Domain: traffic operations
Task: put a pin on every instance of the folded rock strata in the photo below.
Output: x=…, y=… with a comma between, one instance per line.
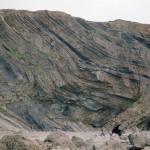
x=62, y=72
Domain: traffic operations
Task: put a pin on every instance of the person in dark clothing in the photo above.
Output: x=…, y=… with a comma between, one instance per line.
x=135, y=148
x=116, y=130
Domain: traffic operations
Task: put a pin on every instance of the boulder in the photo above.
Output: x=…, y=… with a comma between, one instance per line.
x=59, y=139
x=147, y=148
x=47, y=146
x=17, y=142
x=114, y=145
x=147, y=141
x=137, y=140
x=78, y=142
x=90, y=144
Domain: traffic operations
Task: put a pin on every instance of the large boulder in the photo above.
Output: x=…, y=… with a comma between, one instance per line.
x=147, y=148
x=17, y=142
x=114, y=145
x=147, y=141
x=90, y=145
x=60, y=140
x=137, y=140
x=78, y=142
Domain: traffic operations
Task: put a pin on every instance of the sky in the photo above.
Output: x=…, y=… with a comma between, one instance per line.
x=93, y=10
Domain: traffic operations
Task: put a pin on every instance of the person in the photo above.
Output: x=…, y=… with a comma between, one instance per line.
x=116, y=130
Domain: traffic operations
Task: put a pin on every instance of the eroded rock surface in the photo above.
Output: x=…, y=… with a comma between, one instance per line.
x=62, y=72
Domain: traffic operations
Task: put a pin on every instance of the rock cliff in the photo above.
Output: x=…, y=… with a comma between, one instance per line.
x=62, y=72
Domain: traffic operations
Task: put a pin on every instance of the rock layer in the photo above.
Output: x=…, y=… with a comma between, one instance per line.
x=62, y=72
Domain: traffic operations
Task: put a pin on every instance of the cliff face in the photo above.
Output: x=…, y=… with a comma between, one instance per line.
x=57, y=71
